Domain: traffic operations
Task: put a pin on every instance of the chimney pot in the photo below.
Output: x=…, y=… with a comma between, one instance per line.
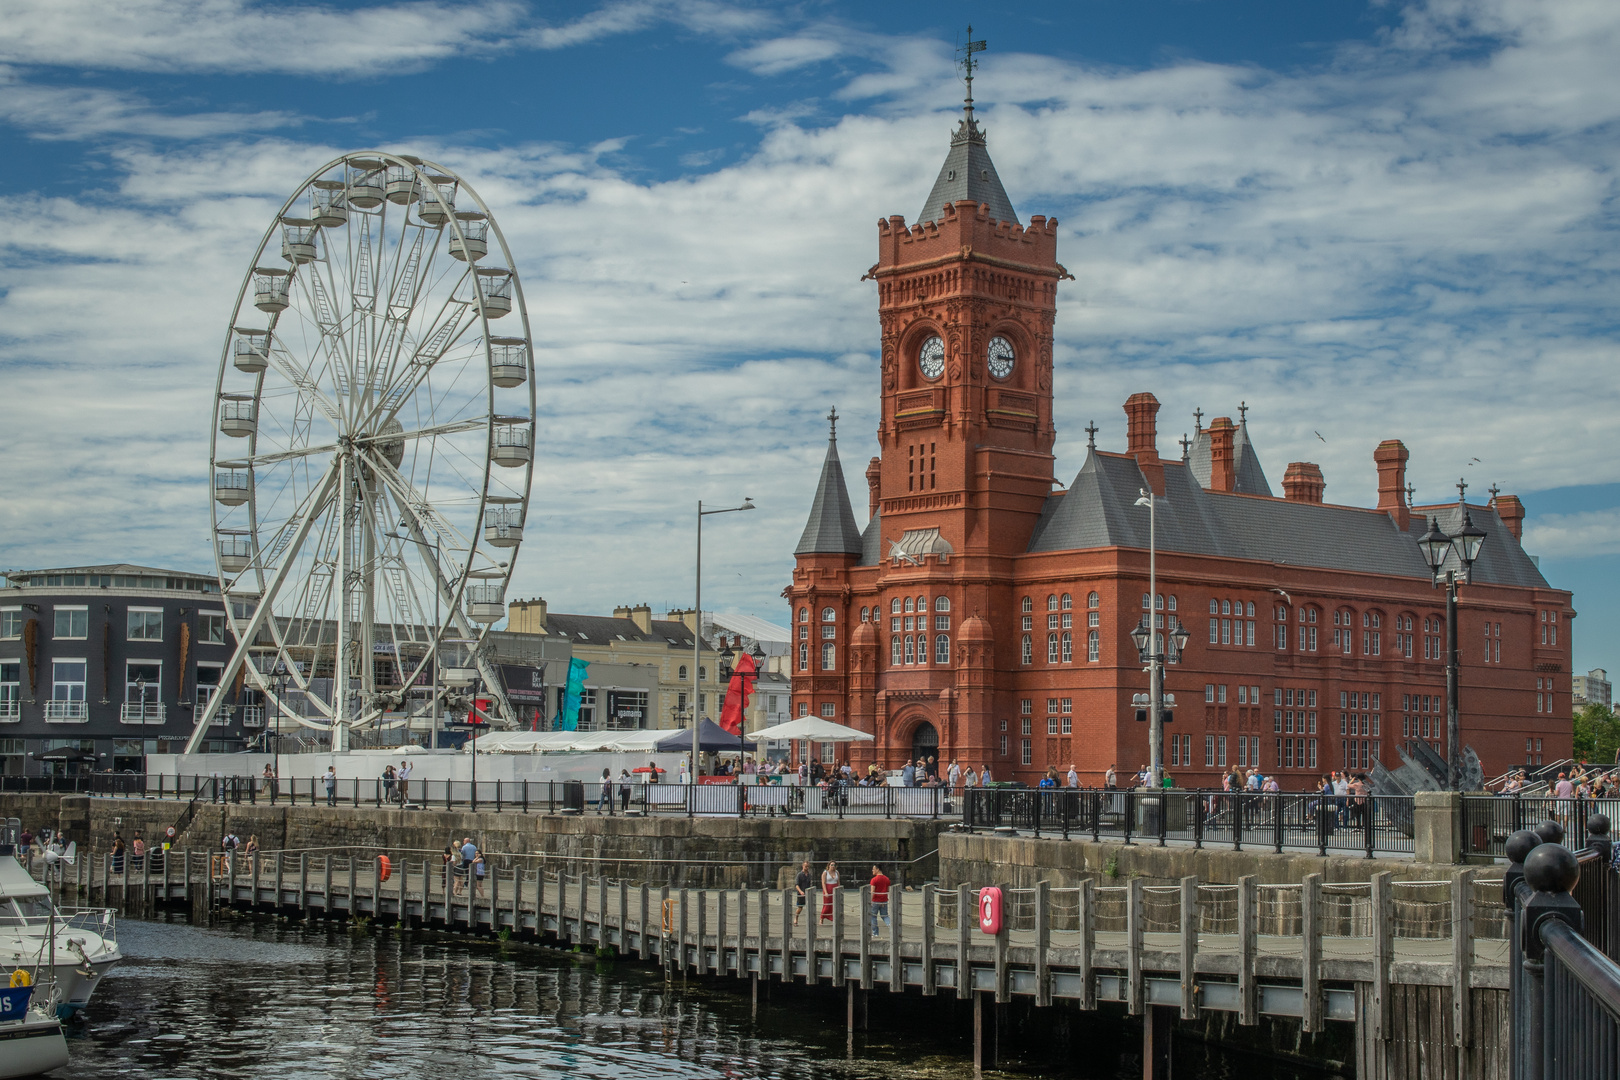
x=1391, y=457
x=1222, y=462
x=1142, y=436
x=1303, y=482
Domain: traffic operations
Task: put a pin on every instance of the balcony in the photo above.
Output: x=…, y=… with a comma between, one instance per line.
x=10, y=712
x=67, y=712
x=135, y=712
x=252, y=716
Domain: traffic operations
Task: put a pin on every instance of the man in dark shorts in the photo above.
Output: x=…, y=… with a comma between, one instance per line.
x=801, y=890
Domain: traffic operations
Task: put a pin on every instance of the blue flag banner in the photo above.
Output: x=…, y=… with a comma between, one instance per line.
x=576, y=687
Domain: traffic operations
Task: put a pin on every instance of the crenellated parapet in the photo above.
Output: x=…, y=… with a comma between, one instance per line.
x=968, y=230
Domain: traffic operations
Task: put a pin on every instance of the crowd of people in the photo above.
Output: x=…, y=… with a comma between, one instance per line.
x=1578, y=782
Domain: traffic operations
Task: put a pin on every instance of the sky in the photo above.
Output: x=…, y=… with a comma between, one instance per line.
x=1365, y=220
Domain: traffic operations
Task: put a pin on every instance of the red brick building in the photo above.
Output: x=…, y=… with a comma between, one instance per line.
x=986, y=611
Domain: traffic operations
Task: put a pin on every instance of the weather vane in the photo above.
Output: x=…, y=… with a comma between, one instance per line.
x=964, y=55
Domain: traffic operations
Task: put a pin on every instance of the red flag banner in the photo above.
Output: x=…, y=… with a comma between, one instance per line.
x=737, y=695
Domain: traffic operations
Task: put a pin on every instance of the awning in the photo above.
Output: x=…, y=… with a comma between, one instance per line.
x=712, y=738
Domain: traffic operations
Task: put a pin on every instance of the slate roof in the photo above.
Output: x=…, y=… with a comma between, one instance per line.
x=872, y=542
x=1251, y=478
x=968, y=173
x=1099, y=510
x=831, y=528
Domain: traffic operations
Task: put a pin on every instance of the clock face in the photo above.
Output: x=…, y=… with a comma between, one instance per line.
x=931, y=358
x=999, y=357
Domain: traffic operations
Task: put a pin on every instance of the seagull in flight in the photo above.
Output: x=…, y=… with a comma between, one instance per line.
x=1318, y=434
x=1282, y=593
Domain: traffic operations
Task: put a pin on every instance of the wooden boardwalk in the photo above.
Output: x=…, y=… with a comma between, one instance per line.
x=1304, y=951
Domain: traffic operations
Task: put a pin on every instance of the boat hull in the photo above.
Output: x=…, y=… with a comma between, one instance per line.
x=32, y=1046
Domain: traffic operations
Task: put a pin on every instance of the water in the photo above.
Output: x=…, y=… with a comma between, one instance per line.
x=263, y=998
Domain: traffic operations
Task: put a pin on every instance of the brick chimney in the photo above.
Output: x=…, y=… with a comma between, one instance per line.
x=1303, y=482
x=1222, y=463
x=874, y=486
x=1511, y=511
x=1390, y=457
x=1142, y=434
x=526, y=616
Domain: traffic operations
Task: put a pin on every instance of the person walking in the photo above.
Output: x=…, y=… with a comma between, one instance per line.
x=251, y=850
x=1073, y=777
x=606, y=798
x=330, y=779
x=624, y=790
x=801, y=890
x=829, y=891
x=880, y=898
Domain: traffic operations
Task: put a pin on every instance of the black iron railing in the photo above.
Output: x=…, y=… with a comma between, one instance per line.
x=553, y=796
x=1564, y=984
x=1368, y=824
x=1488, y=820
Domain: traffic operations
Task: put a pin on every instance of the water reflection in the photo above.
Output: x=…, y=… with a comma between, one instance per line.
x=260, y=998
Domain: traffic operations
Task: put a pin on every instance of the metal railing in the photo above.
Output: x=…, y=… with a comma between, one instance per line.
x=138, y=712
x=1370, y=824
x=548, y=796
x=1488, y=820
x=1564, y=986
x=66, y=710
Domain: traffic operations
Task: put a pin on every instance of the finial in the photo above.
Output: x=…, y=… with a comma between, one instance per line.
x=1186, y=447
x=1198, y=420
x=1462, y=487
x=965, y=54
x=1243, y=412
x=1410, y=493
x=832, y=424
x=1495, y=491
x=1091, y=434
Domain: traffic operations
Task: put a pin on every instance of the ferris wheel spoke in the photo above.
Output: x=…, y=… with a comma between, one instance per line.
x=289, y=455
x=416, y=506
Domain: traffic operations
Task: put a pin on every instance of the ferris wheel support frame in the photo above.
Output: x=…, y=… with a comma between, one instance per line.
x=366, y=480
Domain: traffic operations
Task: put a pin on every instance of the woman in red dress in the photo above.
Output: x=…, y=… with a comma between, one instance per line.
x=829, y=888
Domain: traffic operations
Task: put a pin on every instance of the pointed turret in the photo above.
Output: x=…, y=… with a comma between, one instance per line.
x=968, y=172
x=831, y=529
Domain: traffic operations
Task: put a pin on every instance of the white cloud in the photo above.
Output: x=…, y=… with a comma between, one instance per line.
x=54, y=113
x=1373, y=250
x=1574, y=536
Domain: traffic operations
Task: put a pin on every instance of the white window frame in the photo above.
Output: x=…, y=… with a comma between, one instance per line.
x=58, y=611
x=68, y=709
x=7, y=615
x=132, y=611
x=224, y=628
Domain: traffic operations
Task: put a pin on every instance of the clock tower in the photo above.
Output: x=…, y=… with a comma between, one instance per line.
x=966, y=299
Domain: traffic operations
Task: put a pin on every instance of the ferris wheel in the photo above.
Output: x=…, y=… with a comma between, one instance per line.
x=372, y=447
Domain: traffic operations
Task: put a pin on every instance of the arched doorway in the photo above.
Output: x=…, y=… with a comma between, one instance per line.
x=924, y=742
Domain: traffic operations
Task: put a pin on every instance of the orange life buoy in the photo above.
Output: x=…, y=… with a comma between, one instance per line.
x=384, y=868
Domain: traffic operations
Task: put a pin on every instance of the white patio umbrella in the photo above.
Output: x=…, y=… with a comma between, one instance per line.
x=815, y=729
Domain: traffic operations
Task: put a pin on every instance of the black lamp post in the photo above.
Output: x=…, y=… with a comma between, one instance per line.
x=1148, y=651
x=279, y=676
x=1438, y=548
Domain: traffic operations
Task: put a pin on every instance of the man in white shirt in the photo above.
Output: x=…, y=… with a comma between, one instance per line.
x=1074, y=777
x=953, y=776
x=403, y=775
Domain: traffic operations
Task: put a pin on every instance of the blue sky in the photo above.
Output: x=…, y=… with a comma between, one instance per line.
x=1366, y=220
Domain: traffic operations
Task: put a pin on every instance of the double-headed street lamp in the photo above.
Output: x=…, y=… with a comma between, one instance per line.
x=1149, y=648
x=1437, y=546
x=697, y=630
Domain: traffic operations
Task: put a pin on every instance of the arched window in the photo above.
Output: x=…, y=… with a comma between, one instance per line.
x=1027, y=650
x=894, y=606
x=804, y=614
x=895, y=656
x=1251, y=609
x=863, y=614
x=911, y=651
x=942, y=603
x=1093, y=646
x=922, y=645
x=828, y=656
x=804, y=656
x=1028, y=605
x=1068, y=602
x=703, y=673
x=683, y=672
x=1051, y=601
x=922, y=603
x=1147, y=602
x=942, y=649
x=1214, y=606
x=1172, y=601
x=1226, y=607
x=829, y=615
x=1158, y=602
x=1093, y=601
x=909, y=604
x=1051, y=648
x=1068, y=647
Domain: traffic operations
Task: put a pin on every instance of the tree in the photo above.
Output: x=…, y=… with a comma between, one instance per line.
x=1597, y=734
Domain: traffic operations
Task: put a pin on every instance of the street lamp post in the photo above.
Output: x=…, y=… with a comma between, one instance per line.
x=1147, y=640
x=1437, y=546
x=433, y=707
x=278, y=675
x=697, y=629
